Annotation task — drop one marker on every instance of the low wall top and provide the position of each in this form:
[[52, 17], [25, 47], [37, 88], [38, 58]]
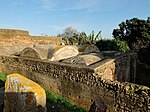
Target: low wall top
[[13, 31]]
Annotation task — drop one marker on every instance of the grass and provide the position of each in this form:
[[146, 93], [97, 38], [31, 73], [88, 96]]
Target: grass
[[56, 103], [2, 84], [2, 79], [2, 76]]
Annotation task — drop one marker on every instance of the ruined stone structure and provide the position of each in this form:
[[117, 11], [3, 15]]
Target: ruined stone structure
[[36, 51], [23, 95], [84, 84], [7, 33], [12, 37], [85, 78]]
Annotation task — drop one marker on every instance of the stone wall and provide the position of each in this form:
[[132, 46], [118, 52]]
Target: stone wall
[[81, 84], [47, 40], [12, 37], [121, 67], [126, 67], [9, 33]]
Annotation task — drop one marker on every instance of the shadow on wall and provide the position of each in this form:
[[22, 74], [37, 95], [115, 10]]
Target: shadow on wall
[[21, 102], [132, 68], [2, 83], [126, 67], [143, 74], [98, 106], [143, 71]]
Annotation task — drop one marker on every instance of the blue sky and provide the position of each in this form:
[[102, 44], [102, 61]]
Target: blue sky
[[53, 16]]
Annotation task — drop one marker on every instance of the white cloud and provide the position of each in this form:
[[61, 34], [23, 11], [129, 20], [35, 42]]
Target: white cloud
[[16, 2], [64, 5], [86, 4], [39, 12]]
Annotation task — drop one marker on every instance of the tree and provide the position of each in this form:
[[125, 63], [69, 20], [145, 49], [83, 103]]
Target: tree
[[44, 34], [136, 32], [69, 32], [82, 38], [93, 39], [68, 35]]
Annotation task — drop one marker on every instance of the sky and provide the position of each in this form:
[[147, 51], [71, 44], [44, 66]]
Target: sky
[[51, 17]]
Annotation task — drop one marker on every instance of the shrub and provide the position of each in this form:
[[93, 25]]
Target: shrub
[[114, 44]]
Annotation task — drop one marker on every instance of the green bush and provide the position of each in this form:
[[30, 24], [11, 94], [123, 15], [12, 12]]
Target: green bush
[[114, 44]]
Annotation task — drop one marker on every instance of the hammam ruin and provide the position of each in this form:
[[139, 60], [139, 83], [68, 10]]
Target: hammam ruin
[[82, 74]]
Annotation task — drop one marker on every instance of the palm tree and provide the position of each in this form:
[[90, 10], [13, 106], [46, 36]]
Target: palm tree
[[93, 39]]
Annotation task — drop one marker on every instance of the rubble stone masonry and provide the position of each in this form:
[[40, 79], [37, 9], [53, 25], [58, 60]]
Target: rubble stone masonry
[[84, 84]]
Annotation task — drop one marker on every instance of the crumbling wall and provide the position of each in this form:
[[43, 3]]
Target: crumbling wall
[[47, 40], [80, 84], [12, 37], [10, 33]]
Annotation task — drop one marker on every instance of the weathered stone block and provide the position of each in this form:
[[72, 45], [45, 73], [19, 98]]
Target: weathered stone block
[[23, 95], [11, 50], [88, 49], [37, 51], [29, 52], [105, 69], [81, 48], [62, 52], [91, 49], [86, 59]]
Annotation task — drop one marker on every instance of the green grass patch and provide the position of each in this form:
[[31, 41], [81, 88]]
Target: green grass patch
[[2, 79], [56, 103], [2, 76]]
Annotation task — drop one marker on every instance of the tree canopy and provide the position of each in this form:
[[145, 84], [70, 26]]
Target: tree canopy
[[136, 32], [69, 32]]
